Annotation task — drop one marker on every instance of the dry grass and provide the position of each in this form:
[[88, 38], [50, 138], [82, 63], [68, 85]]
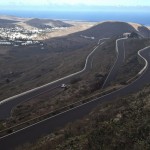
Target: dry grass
[[135, 25]]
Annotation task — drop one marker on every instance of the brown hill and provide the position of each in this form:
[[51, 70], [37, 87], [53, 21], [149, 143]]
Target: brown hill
[[110, 28], [3, 21], [46, 23]]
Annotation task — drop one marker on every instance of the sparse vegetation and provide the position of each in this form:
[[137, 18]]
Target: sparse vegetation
[[132, 46], [31, 66], [75, 80], [80, 87], [124, 124]]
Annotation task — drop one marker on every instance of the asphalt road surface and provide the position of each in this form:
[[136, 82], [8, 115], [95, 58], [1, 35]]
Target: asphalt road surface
[[8, 104], [118, 63], [31, 133]]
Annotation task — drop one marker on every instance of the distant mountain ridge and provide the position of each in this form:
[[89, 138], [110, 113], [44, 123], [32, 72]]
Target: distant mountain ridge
[[100, 30], [46, 23], [4, 23]]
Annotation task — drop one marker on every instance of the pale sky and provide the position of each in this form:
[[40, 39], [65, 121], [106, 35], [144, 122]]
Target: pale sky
[[73, 3], [76, 2]]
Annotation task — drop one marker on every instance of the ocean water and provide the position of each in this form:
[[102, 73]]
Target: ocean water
[[98, 16]]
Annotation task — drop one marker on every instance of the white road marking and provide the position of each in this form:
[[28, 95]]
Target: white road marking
[[29, 91], [76, 106], [81, 104], [142, 70], [117, 51], [146, 63]]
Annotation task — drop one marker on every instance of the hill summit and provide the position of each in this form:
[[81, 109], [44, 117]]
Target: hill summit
[[114, 28]]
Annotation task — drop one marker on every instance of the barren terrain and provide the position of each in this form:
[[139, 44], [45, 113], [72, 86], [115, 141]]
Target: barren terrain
[[77, 27]]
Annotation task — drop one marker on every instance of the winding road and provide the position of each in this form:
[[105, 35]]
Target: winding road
[[8, 104], [120, 50], [30, 133]]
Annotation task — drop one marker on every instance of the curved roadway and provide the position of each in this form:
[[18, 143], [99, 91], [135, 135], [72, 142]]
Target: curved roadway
[[118, 63], [8, 104], [30, 133]]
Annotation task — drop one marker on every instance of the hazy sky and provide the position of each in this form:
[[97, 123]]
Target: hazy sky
[[18, 4]]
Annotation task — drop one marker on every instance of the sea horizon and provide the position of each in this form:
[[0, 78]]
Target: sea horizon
[[87, 16]]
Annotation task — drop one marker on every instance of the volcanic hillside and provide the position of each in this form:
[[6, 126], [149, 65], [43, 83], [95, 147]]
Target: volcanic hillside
[[144, 31], [110, 28]]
